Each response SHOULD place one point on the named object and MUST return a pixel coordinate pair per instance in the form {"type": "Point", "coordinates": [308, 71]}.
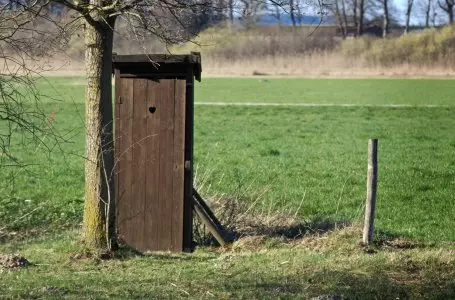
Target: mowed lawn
{"type": "Point", "coordinates": [304, 161]}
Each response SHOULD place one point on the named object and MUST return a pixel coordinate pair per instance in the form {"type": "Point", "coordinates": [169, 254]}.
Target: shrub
{"type": "Point", "coordinates": [430, 46]}
{"type": "Point", "coordinates": [238, 43]}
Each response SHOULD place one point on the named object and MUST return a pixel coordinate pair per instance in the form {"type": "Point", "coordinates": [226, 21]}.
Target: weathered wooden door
{"type": "Point", "coordinates": [150, 147]}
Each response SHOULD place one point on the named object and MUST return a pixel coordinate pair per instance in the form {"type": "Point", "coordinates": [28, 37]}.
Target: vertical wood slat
{"type": "Point", "coordinates": [139, 141]}
{"type": "Point", "coordinates": [151, 211]}
{"type": "Point", "coordinates": [124, 159]}
{"type": "Point", "coordinates": [178, 165]}
{"type": "Point", "coordinates": [188, 179]}
{"type": "Point", "coordinates": [166, 162]}
{"type": "Point", "coordinates": [117, 136]}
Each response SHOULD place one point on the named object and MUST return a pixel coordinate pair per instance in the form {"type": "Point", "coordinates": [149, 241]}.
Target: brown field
{"type": "Point", "coordinates": [315, 66]}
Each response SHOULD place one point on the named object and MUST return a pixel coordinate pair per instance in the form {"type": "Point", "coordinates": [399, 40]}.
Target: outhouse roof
{"type": "Point", "coordinates": [153, 62]}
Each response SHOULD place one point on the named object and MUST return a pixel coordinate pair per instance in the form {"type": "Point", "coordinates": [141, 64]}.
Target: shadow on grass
{"type": "Point", "coordinates": [289, 230]}
{"type": "Point", "coordinates": [349, 284]}
{"type": "Point", "coordinates": [392, 241]}
{"type": "Point", "coordinates": [125, 252]}
{"type": "Point", "coordinates": [292, 231]}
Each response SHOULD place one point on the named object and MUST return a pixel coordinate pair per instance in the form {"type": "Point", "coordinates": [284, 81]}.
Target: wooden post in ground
{"type": "Point", "coordinates": [370, 206]}
{"type": "Point", "coordinates": [209, 219]}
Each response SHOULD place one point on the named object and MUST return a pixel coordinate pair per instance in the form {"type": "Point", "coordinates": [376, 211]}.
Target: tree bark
{"type": "Point", "coordinates": [99, 210]}
{"type": "Point", "coordinates": [408, 15]}
{"type": "Point", "coordinates": [385, 24]}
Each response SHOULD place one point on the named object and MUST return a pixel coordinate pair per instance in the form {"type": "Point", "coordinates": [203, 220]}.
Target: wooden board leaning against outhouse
{"type": "Point", "coordinates": [154, 149]}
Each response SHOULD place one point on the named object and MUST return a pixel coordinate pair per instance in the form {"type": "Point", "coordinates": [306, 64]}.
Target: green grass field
{"type": "Point", "coordinates": [329, 264]}
{"type": "Point", "coordinates": [303, 161]}
{"type": "Point", "coordinates": [323, 91]}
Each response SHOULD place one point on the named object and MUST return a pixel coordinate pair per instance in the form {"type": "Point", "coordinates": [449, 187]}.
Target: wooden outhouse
{"type": "Point", "coordinates": [154, 150]}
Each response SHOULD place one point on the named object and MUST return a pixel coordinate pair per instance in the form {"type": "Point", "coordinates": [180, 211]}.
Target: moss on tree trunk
{"type": "Point", "coordinates": [99, 208]}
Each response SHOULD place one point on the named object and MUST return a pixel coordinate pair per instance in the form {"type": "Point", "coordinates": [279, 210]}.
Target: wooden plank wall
{"type": "Point", "coordinates": [150, 148]}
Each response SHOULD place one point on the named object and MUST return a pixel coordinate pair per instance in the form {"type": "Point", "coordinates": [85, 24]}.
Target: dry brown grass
{"type": "Point", "coordinates": [337, 239]}
{"type": "Point", "coordinates": [325, 64]}
{"type": "Point", "coordinates": [254, 228]}
{"type": "Point", "coordinates": [317, 65]}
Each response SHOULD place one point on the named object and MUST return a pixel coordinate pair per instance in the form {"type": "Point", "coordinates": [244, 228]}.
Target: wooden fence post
{"type": "Point", "coordinates": [370, 206]}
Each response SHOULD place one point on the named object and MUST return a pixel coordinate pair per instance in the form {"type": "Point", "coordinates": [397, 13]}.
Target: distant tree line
{"type": "Point", "coordinates": [351, 16]}
{"type": "Point", "coordinates": [385, 13]}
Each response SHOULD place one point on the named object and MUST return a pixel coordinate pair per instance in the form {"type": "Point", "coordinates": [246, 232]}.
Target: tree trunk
{"type": "Point", "coordinates": [291, 8]}
{"type": "Point", "coordinates": [345, 17]}
{"type": "Point", "coordinates": [277, 14]}
{"type": "Point", "coordinates": [385, 25]}
{"type": "Point", "coordinates": [354, 15]}
{"type": "Point", "coordinates": [339, 19]}
{"type": "Point", "coordinates": [434, 13]}
{"type": "Point", "coordinates": [448, 8]}
{"type": "Point", "coordinates": [361, 17]}
{"type": "Point", "coordinates": [299, 14]}
{"type": "Point", "coordinates": [427, 14]}
{"type": "Point", "coordinates": [408, 16]}
{"type": "Point", "coordinates": [99, 208]}
{"type": "Point", "coordinates": [450, 11]}
{"type": "Point", "coordinates": [231, 11]}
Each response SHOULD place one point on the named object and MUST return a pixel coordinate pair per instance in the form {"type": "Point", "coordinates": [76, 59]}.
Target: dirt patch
{"type": "Point", "coordinates": [12, 262]}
